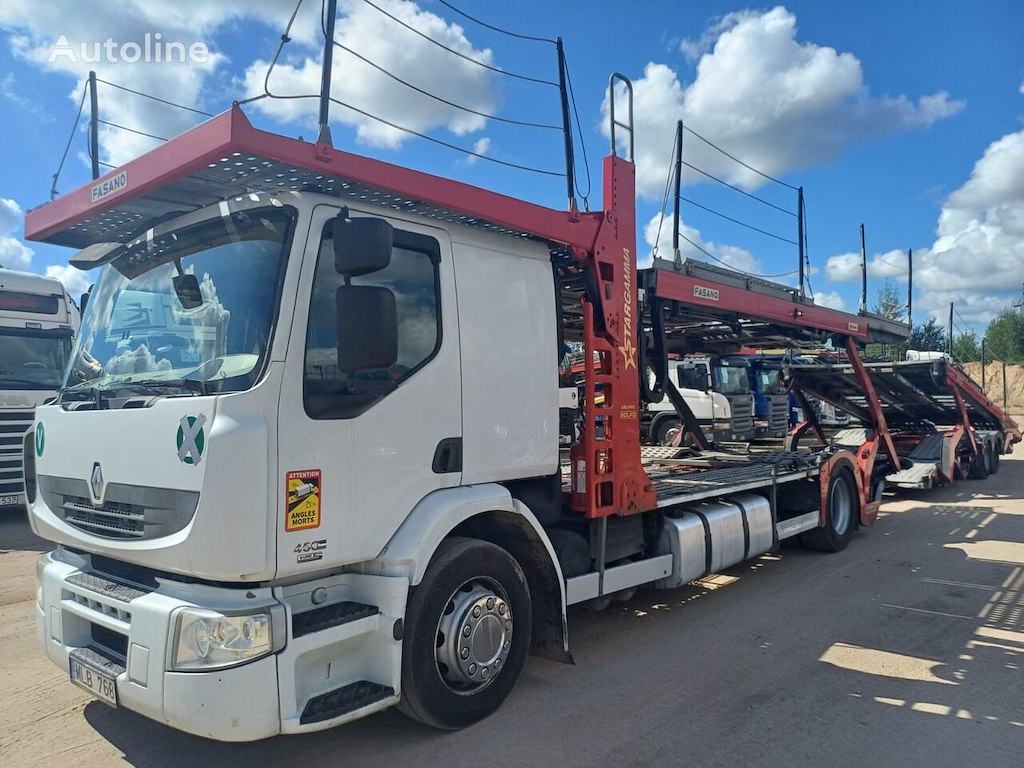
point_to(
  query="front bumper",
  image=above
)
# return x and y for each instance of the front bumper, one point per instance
(284, 692)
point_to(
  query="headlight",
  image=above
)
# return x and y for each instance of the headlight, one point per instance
(209, 640)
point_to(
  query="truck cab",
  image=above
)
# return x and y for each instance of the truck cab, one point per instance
(717, 390)
(37, 321)
(771, 399)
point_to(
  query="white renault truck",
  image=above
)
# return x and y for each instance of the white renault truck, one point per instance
(37, 322)
(291, 482)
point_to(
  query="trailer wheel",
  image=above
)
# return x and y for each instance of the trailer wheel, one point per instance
(993, 464)
(467, 632)
(841, 503)
(980, 465)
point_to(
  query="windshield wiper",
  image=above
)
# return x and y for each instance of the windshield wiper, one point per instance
(196, 386)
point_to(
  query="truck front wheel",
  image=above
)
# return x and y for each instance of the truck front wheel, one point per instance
(667, 431)
(467, 632)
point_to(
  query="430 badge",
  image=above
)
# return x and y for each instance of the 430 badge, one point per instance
(308, 551)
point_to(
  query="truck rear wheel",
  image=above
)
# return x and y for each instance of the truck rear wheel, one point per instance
(841, 504)
(467, 632)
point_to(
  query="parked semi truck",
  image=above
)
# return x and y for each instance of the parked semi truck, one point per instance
(771, 399)
(37, 321)
(717, 389)
(314, 292)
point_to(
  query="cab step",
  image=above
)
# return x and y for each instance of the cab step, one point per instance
(319, 619)
(344, 700)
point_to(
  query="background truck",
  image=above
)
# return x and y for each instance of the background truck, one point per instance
(771, 398)
(451, 528)
(37, 321)
(718, 392)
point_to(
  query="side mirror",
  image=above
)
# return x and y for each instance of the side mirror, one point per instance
(367, 328)
(82, 301)
(186, 287)
(361, 246)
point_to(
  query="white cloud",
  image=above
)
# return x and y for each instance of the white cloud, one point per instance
(75, 281)
(727, 255)
(846, 266)
(36, 27)
(977, 259)
(480, 147)
(778, 104)
(14, 254)
(830, 299)
(10, 92)
(403, 53)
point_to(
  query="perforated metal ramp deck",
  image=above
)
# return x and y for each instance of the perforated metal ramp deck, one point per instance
(685, 483)
(915, 396)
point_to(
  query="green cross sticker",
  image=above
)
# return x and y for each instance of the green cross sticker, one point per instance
(191, 439)
(40, 439)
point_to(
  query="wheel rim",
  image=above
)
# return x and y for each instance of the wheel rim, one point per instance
(474, 636)
(840, 506)
(672, 435)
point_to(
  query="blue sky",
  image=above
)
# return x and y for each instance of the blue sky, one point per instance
(903, 116)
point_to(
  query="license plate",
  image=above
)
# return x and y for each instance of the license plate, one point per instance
(9, 501)
(101, 686)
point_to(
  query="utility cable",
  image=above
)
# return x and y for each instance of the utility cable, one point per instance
(131, 130)
(154, 98)
(470, 59)
(583, 143)
(74, 129)
(494, 28)
(664, 205)
(736, 159)
(285, 38)
(737, 189)
(430, 95)
(737, 221)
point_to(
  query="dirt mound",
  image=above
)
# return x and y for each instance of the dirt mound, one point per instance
(994, 384)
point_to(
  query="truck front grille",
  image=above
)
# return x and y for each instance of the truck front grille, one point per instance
(13, 426)
(127, 511)
(742, 414)
(117, 521)
(778, 419)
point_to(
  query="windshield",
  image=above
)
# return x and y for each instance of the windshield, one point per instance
(33, 359)
(769, 381)
(730, 380)
(137, 332)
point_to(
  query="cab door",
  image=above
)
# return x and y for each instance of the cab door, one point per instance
(357, 451)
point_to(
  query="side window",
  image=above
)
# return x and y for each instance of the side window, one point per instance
(412, 278)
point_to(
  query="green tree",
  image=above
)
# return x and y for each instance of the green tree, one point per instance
(928, 337)
(1004, 337)
(888, 302)
(966, 348)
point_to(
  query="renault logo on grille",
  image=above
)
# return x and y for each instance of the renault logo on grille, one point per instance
(96, 482)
